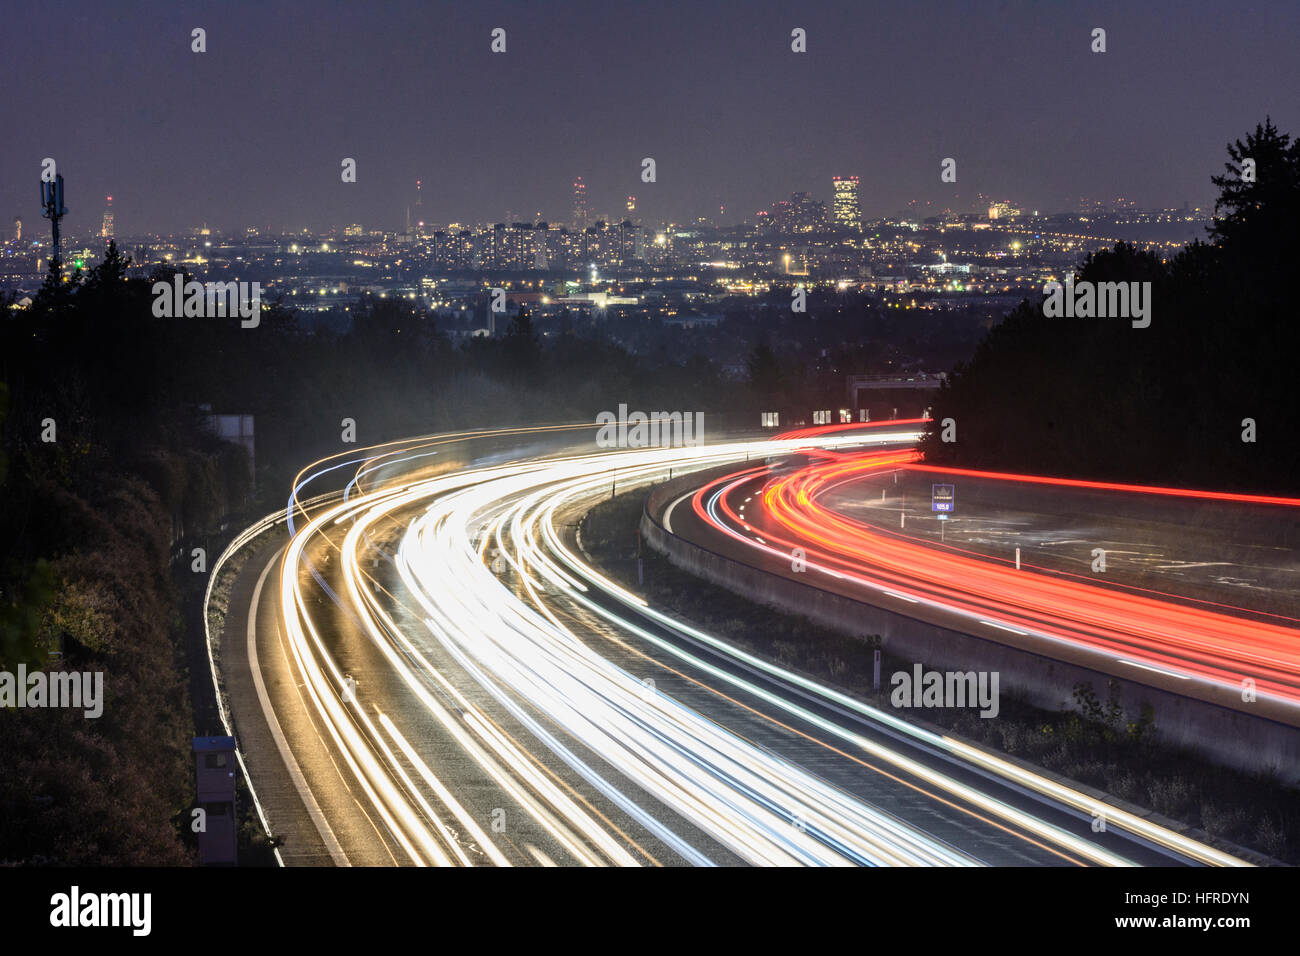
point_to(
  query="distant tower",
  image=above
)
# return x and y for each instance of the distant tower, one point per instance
(631, 204)
(580, 204)
(419, 208)
(18, 229)
(847, 212)
(106, 229)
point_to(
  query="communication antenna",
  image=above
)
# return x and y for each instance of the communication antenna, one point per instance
(52, 208)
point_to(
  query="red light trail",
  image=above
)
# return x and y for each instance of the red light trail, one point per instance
(1178, 639)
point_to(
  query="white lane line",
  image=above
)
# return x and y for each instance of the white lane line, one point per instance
(1005, 627)
(902, 597)
(1158, 670)
(291, 764)
(668, 512)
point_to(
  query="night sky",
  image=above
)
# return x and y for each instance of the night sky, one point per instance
(253, 131)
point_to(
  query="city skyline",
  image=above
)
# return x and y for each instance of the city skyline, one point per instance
(98, 220)
(874, 96)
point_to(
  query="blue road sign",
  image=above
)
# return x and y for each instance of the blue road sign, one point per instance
(943, 498)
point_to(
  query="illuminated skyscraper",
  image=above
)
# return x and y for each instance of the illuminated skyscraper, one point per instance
(631, 204)
(106, 228)
(628, 245)
(847, 212)
(541, 235)
(580, 204)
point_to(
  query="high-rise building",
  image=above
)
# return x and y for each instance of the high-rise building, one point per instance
(419, 210)
(520, 244)
(628, 245)
(541, 235)
(631, 204)
(18, 229)
(846, 210)
(498, 247)
(580, 204)
(800, 213)
(106, 228)
(1003, 210)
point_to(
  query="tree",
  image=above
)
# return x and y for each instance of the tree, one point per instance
(1255, 214)
(520, 349)
(111, 271)
(764, 372)
(1164, 404)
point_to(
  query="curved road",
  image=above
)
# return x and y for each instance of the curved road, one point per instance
(428, 671)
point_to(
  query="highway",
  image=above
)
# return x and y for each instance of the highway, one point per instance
(426, 670)
(1186, 644)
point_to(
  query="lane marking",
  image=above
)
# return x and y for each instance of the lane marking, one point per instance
(1158, 670)
(291, 764)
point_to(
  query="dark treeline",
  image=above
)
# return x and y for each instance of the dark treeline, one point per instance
(396, 373)
(842, 333)
(101, 470)
(1097, 398)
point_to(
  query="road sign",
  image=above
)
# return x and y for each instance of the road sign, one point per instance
(943, 498)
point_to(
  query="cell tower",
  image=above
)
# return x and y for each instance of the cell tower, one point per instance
(52, 208)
